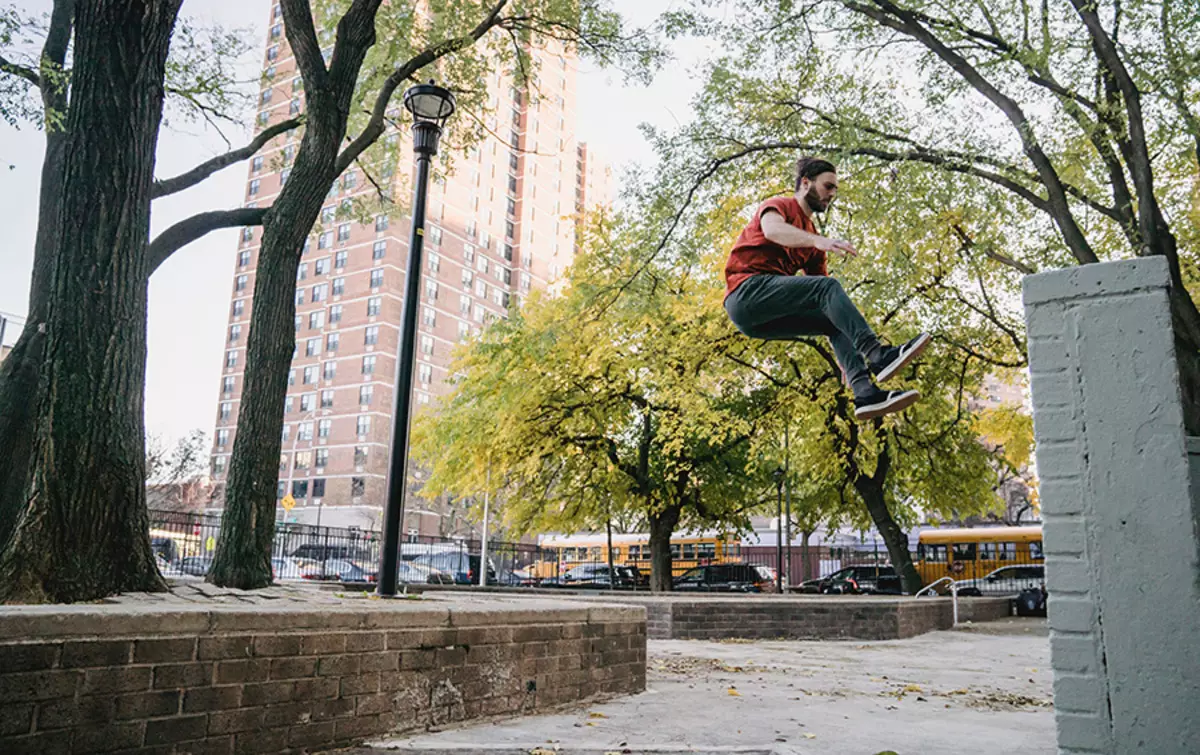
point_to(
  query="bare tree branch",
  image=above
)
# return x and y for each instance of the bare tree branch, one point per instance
(166, 186)
(375, 125)
(302, 36)
(16, 69)
(54, 56)
(969, 244)
(189, 229)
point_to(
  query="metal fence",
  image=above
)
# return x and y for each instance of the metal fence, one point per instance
(185, 544)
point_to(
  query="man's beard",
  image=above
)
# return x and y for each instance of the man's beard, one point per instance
(814, 201)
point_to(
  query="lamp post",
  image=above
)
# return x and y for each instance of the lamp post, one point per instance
(779, 529)
(430, 106)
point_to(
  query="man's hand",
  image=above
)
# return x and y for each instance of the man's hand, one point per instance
(836, 245)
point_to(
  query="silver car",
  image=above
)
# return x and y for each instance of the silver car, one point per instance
(1005, 581)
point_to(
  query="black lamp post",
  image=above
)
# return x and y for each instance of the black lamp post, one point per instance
(779, 474)
(430, 106)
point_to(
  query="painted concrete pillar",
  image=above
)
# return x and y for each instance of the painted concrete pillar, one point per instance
(1122, 532)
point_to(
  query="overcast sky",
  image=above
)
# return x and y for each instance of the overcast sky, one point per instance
(189, 295)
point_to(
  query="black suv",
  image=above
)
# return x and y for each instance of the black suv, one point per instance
(726, 578)
(857, 580)
(597, 576)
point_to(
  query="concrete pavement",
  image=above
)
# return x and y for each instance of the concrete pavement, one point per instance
(982, 688)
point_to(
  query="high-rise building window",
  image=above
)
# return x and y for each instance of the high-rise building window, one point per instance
(239, 283)
(299, 488)
(464, 330)
(381, 223)
(426, 345)
(343, 232)
(226, 410)
(321, 460)
(330, 370)
(428, 316)
(310, 375)
(247, 234)
(526, 280)
(272, 52)
(253, 188)
(327, 399)
(464, 304)
(239, 307)
(379, 250)
(294, 107)
(291, 381)
(425, 373)
(264, 118)
(320, 292)
(363, 425)
(302, 271)
(435, 235)
(467, 277)
(480, 288)
(287, 432)
(327, 214)
(299, 296)
(323, 428)
(302, 460)
(435, 263)
(312, 346)
(360, 455)
(222, 438)
(298, 320)
(377, 277)
(304, 431)
(481, 264)
(368, 364)
(284, 175)
(431, 290)
(365, 394)
(332, 340)
(339, 259)
(280, 487)
(509, 229)
(289, 403)
(325, 240)
(321, 266)
(235, 333)
(350, 180)
(335, 313)
(256, 165)
(506, 276)
(373, 305)
(218, 465)
(316, 320)
(230, 358)
(339, 286)
(358, 486)
(318, 485)
(243, 258)
(371, 335)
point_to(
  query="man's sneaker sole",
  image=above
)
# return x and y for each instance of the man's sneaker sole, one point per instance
(896, 403)
(904, 360)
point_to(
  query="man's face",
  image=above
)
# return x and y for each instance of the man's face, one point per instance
(820, 191)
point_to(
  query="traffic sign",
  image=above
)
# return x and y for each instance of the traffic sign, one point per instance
(288, 502)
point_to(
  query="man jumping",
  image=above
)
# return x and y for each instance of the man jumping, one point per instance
(766, 299)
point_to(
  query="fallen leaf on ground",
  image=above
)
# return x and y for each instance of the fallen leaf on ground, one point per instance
(809, 735)
(596, 714)
(733, 692)
(912, 688)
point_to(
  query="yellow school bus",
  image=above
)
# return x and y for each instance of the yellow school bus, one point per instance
(974, 552)
(562, 552)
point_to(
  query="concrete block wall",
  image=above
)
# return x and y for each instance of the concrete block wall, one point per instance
(1116, 492)
(82, 679)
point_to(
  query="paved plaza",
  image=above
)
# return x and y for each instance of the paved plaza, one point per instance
(983, 688)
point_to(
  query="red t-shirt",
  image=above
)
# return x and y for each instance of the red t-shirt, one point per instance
(754, 254)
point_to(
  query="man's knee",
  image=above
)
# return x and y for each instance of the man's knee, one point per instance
(829, 286)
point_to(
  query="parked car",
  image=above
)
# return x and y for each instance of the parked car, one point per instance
(726, 578)
(286, 568)
(462, 566)
(316, 552)
(196, 566)
(597, 576)
(857, 580)
(1005, 581)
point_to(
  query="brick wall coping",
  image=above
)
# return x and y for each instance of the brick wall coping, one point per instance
(126, 619)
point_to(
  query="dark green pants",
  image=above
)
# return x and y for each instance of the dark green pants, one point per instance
(784, 308)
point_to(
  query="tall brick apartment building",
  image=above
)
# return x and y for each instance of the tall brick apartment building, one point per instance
(503, 223)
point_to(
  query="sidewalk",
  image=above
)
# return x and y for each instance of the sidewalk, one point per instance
(981, 688)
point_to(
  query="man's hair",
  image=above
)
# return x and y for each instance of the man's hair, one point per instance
(810, 167)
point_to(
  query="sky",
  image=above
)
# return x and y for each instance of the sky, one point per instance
(189, 294)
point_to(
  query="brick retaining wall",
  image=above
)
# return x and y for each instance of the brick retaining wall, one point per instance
(254, 679)
(803, 617)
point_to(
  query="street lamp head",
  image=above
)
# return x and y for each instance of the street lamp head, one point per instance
(429, 103)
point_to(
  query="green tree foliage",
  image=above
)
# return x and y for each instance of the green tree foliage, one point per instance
(633, 412)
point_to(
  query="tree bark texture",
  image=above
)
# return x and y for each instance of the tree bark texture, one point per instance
(243, 557)
(893, 536)
(83, 532)
(662, 526)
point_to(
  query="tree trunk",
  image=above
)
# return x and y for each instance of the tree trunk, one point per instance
(662, 526)
(243, 557)
(84, 533)
(1185, 320)
(893, 536)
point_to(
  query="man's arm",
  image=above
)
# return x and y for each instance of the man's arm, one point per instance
(776, 229)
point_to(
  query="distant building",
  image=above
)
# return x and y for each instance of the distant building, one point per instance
(502, 224)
